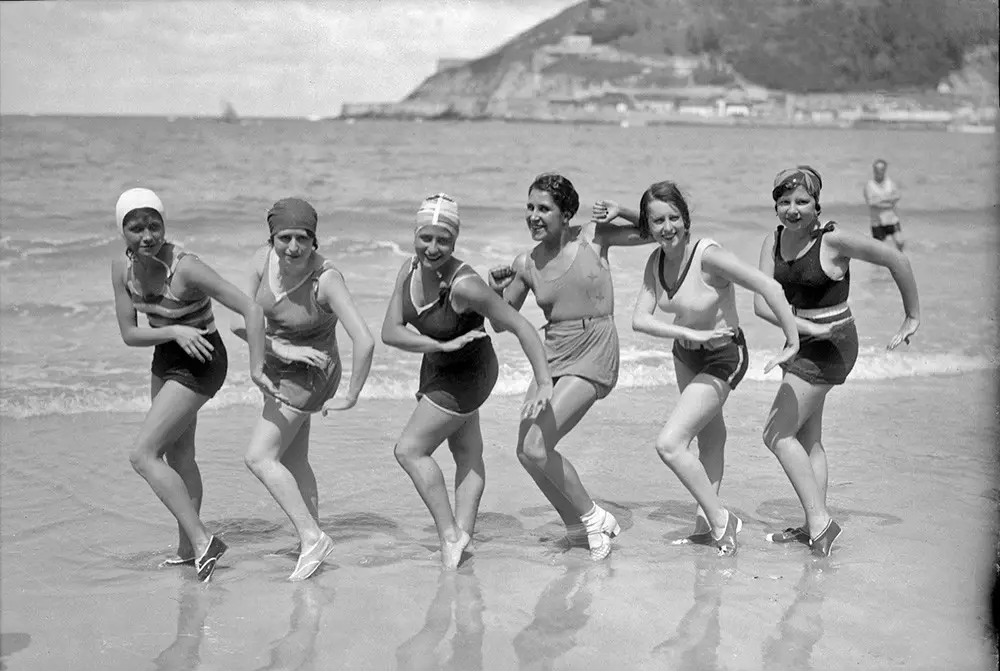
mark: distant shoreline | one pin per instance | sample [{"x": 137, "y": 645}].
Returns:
[{"x": 623, "y": 122}]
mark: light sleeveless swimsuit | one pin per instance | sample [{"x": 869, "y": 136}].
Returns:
[
  {"x": 163, "y": 308},
  {"x": 456, "y": 382},
  {"x": 580, "y": 336},
  {"x": 697, "y": 305},
  {"x": 295, "y": 317}
]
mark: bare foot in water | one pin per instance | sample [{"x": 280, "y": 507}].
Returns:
[{"x": 451, "y": 553}]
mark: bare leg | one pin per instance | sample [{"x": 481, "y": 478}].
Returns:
[
  {"x": 701, "y": 400},
  {"x": 173, "y": 410},
  {"x": 811, "y": 437},
  {"x": 296, "y": 460},
  {"x": 794, "y": 404},
  {"x": 711, "y": 447},
  {"x": 181, "y": 458},
  {"x": 428, "y": 427},
  {"x": 466, "y": 447},
  {"x": 272, "y": 436},
  {"x": 536, "y": 448}
]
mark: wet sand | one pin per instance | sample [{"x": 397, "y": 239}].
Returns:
[{"x": 912, "y": 481}]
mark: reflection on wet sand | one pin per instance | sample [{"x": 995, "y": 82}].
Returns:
[
  {"x": 296, "y": 649},
  {"x": 801, "y": 625},
  {"x": 695, "y": 646},
  {"x": 458, "y": 598},
  {"x": 561, "y": 612},
  {"x": 183, "y": 654}
]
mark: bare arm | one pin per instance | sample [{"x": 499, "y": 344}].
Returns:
[
  {"x": 867, "y": 249},
  {"x": 513, "y": 289},
  {"x": 333, "y": 291},
  {"x": 475, "y": 295},
  {"x": 196, "y": 273},
  {"x": 134, "y": 335},
  {"x": 727, "y": 265},
  {"x": 394, "y": 330},
  {"x": 643, "y": 320}
]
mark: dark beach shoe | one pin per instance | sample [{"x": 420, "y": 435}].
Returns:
[
  {"x": 789, "y": 535},
  {"x": 205, "y": 564},
  {"x": 823, "y": 544},
  {"x": 727, "y": 544}
]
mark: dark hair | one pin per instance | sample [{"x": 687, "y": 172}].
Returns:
[
  {"x": 561, "y": 190},
  {"x": 880, "y": 160},
  {"x": 665, "y": 192},
  {"x": 312, "y": 236}
]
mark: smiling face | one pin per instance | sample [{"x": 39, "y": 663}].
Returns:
[
  {"x": 294, "y": 246},
  {"x": 544, "y": 218},
  {"x": 144, "y": 232},
  {"x": 796, "y": 208},
  {"x": 666, "y": 225},
  {"x": 434, "y": 245}
]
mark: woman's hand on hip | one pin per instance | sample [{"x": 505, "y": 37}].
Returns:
[{"x": 193, "y": 342}]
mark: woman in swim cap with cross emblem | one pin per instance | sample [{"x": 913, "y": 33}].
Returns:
[{"x": 446, "y": 303}]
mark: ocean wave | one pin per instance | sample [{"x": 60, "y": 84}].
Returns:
[
  {"x": 639, "y": 369},
  {"x": 12, "y": 248}
]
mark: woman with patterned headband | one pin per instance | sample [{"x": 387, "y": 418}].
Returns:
[
  {"x": 303, "y": 297},
  {"x": 811, "y": 262},
  {"x": 174, "y": 289},
  {"x": 446, "y": 303},
  {"x": 569, "y": 273}
]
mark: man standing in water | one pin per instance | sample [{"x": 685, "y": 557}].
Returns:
[{"x": 881, "y": 195}]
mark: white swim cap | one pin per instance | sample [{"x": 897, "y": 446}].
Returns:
[{"x": 134, "y": 199}]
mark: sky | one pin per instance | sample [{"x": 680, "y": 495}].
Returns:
[{"x": 271, "y": 58}]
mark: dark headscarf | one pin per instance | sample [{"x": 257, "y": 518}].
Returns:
[{"x": 291, "y": 213}]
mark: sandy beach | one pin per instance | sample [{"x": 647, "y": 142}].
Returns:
[{"x": 912, "y": 483}]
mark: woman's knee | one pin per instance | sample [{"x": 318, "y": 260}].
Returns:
[
  {"x": 406, "y": 452},
  {"x": 671, "y": 446},
  {"x": 775, "y": 438},
  {"x": 258, "y": 460},
  {"x": 532, "y": 451}
]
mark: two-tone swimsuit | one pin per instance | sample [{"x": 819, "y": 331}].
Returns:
[
  {"x": 456, "y": 382},
  {"x": 163, "y": 308},
  {"x": 813, "y": 295}
]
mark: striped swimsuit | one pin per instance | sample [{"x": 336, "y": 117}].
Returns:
[{"x": 163, "y": 308}]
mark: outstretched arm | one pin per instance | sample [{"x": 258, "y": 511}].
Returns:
[
  {"x": 722, "y": 263},
  {"x": 198, "y": 274},
  {"x": 473, "y": 294},
  {"x": 867, "y": 249},
  {"x": 334, "y": 293}
]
